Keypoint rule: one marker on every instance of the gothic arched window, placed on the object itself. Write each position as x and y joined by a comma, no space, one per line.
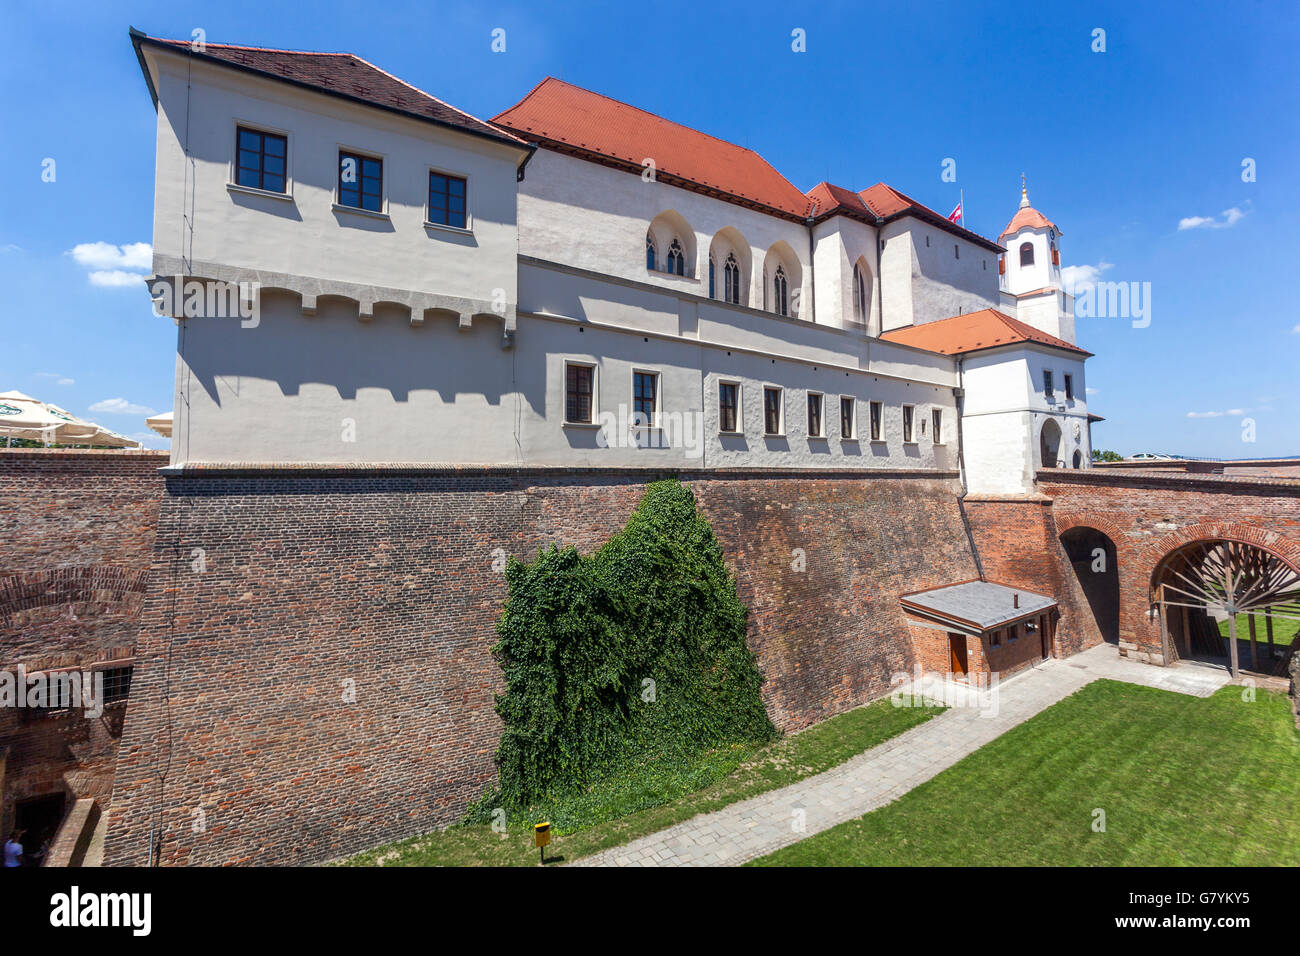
676,259
1026,253
860,304
731,279
712,294
780,292
650,257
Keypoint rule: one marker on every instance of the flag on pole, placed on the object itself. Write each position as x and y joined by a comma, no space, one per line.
955,214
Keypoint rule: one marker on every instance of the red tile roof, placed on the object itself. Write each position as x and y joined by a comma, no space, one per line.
883,201
337,74
560,114
985,329
1029,217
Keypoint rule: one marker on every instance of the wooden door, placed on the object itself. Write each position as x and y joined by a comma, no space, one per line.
957,654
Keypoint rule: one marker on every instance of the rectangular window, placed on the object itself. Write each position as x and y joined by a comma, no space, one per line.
1069,388
1048,391
728,406
645,388
814,415
936,422
772,411
577,394
908,411
260,160
846,418
877,412
995,638
361,181
117,684
447,200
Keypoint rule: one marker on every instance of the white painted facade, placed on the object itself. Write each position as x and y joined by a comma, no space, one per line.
383,338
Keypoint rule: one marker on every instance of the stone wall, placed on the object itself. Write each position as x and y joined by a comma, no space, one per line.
325,683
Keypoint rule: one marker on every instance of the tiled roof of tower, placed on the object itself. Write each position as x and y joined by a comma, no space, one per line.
1029,217
985,329
559,113
337,74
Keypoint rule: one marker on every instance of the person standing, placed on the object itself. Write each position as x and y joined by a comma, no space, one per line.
14,849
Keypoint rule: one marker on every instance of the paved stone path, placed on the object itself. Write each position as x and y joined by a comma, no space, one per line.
762,824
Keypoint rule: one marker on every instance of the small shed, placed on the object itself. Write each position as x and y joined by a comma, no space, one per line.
980,627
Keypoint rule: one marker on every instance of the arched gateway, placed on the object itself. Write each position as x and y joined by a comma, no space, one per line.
1204,583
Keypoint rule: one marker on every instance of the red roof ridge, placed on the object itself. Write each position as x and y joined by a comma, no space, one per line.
639,109
416,89
254,49
972,331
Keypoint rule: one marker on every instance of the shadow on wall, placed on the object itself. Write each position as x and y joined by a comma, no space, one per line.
336,349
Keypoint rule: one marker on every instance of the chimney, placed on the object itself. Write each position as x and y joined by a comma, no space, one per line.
1015,600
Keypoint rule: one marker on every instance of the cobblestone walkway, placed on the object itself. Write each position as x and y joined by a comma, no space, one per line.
762,824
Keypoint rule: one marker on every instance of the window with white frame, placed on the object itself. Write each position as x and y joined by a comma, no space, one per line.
729,407
815,423
773,408
579,393
909,412
877,425
645,399
848,430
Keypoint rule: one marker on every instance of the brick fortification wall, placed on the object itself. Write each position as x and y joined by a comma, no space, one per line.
1149,515
1019,545
76,543
329,667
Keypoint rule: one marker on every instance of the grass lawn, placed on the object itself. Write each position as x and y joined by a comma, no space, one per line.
820,747
1284,631
1183,781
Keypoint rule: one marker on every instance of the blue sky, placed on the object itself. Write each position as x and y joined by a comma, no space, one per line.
1119,147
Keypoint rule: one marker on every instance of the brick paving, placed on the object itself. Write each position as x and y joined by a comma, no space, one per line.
763,824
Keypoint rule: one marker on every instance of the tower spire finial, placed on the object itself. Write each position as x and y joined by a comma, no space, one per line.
1024,192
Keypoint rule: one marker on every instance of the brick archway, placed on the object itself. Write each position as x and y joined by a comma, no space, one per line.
1154,554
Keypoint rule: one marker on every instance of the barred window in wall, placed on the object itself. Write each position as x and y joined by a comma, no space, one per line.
577,394
877,410
117,684
846,418
907,422
936,419
644,388
780,292
731,279
728,406
676,259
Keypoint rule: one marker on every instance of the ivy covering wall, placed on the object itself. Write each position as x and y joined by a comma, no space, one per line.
627,661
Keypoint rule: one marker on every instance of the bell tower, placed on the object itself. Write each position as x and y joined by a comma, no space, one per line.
1030,275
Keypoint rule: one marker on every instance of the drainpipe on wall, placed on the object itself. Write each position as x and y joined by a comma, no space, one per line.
959,394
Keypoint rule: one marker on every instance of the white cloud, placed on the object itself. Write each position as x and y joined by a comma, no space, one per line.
1230,413
105,255
114,267
1296,330
11,247
1230,218
116,278
120,406
1077,277
58,379
1090,391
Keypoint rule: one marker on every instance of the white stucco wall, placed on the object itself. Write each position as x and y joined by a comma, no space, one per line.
303,233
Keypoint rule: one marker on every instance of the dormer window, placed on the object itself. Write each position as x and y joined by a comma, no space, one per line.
1026,254
676,264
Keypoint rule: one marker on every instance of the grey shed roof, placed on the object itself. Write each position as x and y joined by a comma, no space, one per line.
981,604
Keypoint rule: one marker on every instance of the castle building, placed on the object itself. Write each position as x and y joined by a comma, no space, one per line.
576,282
